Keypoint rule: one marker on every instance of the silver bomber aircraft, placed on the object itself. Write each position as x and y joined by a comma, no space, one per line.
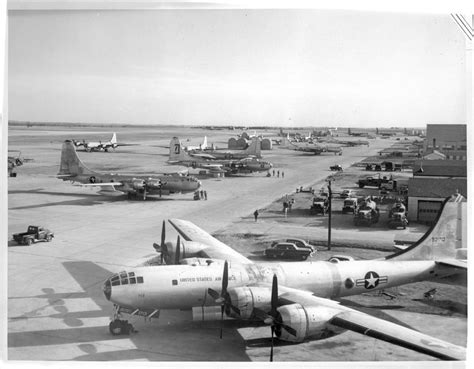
72,169
247,164
294,298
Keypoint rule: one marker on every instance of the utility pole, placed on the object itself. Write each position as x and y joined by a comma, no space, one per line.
329,214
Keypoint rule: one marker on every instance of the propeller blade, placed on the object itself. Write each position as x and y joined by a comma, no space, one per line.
288,329
178,250
225,278
271,347
274,301
222,318
214,294
163,238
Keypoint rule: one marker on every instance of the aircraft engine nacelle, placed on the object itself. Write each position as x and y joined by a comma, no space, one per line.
153,183
248,298
307,322
138,184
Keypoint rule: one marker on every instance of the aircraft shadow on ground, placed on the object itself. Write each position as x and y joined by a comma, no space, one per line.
452,306
155,341
90,199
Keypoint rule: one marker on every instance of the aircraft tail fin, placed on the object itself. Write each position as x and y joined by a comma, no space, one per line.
70,163
446,239
177,152
204,143
114,139
254,148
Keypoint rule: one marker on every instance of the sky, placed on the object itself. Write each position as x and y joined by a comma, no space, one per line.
282,67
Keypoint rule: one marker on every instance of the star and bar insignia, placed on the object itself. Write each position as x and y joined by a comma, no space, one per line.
371,280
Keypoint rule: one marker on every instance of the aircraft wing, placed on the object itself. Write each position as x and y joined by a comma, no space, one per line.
215,249
368,325
202,156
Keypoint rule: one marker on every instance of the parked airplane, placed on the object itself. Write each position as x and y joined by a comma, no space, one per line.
72,169
314,148
351,143
254,150
15,161
294,298
99,146
246,165
202,146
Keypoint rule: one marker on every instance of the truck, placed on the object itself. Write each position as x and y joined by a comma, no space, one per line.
320,205
397,220
372,181
32,235
367,214
351,205
397,217
336,167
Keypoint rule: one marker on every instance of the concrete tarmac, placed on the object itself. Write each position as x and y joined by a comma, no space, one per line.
56,309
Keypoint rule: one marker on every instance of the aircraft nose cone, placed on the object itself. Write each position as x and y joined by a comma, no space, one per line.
107,288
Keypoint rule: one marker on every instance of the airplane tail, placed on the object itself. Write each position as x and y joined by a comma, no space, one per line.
204,143
254,148
446,240
114,139
177,152
70,164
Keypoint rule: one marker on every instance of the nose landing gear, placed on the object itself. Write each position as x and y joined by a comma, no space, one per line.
120,326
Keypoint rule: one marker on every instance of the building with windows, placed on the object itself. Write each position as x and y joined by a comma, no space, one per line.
432,182
449,139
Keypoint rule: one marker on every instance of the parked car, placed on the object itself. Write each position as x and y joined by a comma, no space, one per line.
298,242
32,235
339,258
336,167
286,250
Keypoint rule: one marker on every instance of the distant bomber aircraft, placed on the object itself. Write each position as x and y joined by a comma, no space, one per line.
253,150
72,169
293,298
248,164
100,146
314,148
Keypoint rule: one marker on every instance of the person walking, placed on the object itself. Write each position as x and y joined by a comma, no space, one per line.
255,214
205,195
273,172
282,174
278,174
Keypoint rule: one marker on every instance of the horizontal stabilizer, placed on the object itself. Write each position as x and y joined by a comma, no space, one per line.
462,264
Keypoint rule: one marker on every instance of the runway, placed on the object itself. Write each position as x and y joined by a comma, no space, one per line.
56,309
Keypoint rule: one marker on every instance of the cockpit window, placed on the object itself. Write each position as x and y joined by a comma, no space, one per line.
125,278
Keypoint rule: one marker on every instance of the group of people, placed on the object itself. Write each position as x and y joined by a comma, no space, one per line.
277,174
200,195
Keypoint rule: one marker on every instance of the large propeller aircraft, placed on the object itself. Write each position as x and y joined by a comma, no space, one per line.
72,169
90,146
208,161
293,298
315,148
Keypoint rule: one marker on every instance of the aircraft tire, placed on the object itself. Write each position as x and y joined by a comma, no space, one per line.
48,238
116,327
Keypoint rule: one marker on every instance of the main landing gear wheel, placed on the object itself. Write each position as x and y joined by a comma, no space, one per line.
116,327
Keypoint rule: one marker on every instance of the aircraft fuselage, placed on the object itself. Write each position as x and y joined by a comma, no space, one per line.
186,286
